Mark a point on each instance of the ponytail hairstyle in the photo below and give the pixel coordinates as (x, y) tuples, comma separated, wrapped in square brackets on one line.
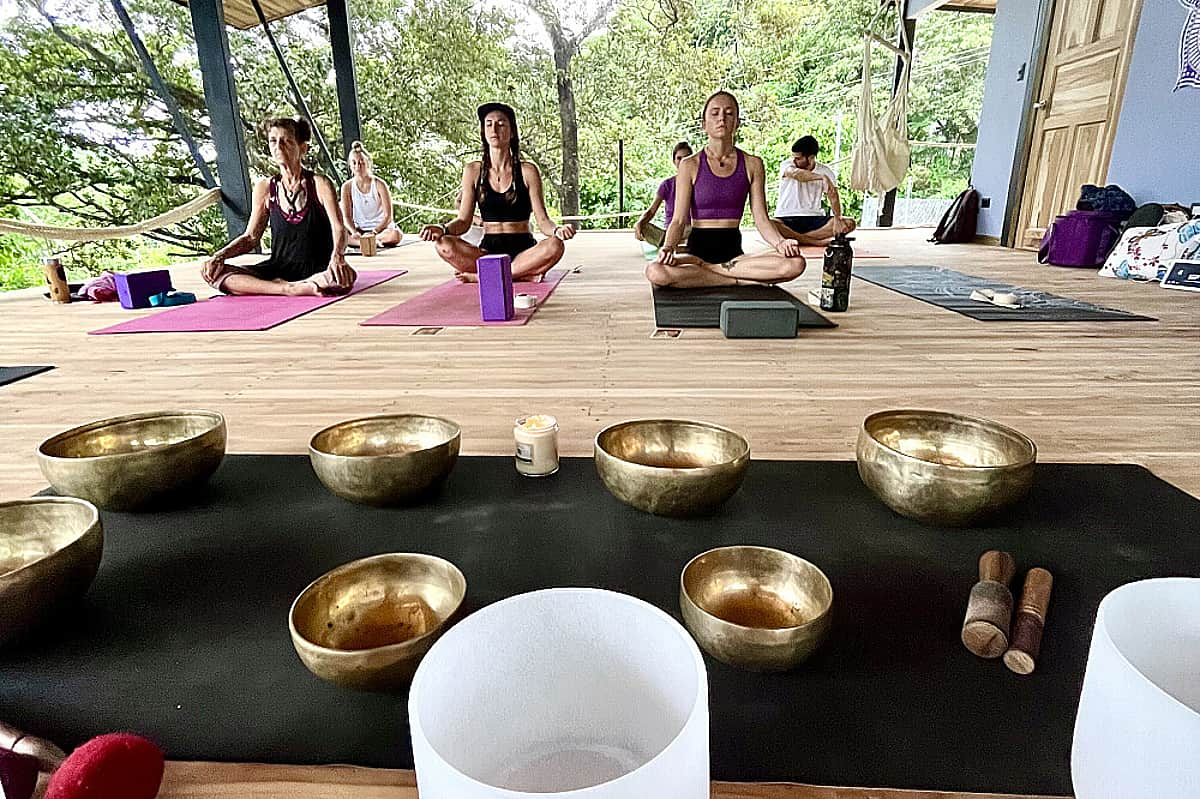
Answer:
[(514, 147)]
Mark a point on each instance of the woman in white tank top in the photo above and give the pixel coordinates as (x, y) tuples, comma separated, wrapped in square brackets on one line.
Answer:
[(366, 202)]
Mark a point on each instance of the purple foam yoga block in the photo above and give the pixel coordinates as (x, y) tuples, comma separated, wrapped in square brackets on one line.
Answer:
[(495, 288), (135, 289)]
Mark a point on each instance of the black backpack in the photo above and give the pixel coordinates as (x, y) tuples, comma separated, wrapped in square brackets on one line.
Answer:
[(959, 221)]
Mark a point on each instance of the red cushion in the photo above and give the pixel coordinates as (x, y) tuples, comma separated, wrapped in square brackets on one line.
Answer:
[(115, 766)]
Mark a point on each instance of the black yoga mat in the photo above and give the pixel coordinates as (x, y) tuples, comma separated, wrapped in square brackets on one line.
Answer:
[(951, 290), (184, 638), (11, 374), (702, 307)]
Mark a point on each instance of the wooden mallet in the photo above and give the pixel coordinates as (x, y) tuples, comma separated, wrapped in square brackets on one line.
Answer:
[(1021, 656), (989, 610)]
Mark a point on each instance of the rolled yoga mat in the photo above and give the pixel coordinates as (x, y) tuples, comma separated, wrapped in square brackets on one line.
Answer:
[(229, 313), (11, 374), (951, 290), (702, 307), (183, 636), (455, 304)]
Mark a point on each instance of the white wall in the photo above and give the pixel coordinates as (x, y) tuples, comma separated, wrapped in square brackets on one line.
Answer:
[(1154, 155), (1004, 96)]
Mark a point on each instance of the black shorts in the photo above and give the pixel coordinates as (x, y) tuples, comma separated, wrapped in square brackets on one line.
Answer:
[(715, 245), (510, 244), (804, 224)]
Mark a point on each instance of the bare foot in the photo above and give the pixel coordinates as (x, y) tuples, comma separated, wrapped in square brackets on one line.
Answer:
[(302, 288), (466, 277)]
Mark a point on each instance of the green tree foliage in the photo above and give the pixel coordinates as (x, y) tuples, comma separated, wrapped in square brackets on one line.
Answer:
[(84, 140)]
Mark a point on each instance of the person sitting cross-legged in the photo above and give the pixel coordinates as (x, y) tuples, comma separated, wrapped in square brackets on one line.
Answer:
[(307, 235), (366, 201), (645, 229), (713, 186), (803, 181)]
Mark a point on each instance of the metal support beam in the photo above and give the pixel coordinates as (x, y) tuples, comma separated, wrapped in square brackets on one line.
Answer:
[(220, 92), (887, 210), (330, 163), (341, 40), (164, 92)]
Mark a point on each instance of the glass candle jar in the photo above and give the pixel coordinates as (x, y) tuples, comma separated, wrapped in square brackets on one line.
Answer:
[(536, 437)]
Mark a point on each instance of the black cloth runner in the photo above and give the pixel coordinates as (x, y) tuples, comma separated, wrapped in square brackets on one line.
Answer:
[(184, 637), (951, 290), (702, 307), (11, 374)]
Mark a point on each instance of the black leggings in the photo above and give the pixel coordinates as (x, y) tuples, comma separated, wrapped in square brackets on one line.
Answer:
[(715, 245)]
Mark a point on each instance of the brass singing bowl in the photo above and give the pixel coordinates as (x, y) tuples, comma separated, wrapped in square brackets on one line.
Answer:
[(671, 467), (385, 460), (128, 462), (757, 608), (368, 623), (50, 550), (942, 468)]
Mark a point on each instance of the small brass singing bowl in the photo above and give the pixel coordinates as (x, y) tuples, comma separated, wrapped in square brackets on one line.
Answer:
[(944, 469), (385, 460), (756, 608), (50, 549), (671, 467), (368, 623), (131, 461)]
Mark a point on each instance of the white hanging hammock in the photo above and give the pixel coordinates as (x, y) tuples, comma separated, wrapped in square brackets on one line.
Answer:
[(881, 150)]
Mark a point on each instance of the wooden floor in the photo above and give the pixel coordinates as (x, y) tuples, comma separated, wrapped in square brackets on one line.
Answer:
[(1111, 391)]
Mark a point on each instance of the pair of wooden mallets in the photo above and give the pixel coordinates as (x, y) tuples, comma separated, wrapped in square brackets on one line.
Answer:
[(985, 630)]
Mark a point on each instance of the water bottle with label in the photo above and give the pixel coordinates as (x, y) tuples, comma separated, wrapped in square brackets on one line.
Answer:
[(835, 276)]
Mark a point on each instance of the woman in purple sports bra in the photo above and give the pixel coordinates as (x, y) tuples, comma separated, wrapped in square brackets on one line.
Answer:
[(507, 191), (721, 178)]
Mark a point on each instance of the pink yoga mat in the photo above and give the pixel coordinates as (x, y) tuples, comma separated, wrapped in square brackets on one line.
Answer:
[(455, 304), (226, 313)]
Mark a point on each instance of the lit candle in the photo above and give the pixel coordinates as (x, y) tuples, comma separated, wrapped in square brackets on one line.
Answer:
[(536, 437)]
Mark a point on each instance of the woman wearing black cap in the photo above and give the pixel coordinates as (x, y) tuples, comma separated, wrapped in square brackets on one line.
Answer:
[(507, 191)]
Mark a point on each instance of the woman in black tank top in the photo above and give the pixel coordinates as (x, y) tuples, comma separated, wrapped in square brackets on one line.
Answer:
[(507, 192), (307, 236)]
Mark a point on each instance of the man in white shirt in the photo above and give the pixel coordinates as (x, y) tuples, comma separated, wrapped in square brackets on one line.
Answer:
[(803, 181)]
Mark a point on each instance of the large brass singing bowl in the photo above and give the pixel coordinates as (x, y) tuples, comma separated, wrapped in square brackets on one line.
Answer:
[(754, 607), (671, 467), (368, 623), (942, 468), (50, 549), (385, 460), (130, 461)]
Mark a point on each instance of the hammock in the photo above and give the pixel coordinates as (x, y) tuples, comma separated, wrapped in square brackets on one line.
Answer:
[(166, 219), (881, 150)]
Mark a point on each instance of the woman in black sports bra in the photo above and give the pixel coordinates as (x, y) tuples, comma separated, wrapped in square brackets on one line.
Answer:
[(307, 236), (507, 192)]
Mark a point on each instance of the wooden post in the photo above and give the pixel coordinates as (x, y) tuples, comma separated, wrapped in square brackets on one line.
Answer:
[(341, 41), (220, 92)]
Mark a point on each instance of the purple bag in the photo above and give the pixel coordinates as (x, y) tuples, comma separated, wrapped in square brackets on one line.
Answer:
[(1080, 238)]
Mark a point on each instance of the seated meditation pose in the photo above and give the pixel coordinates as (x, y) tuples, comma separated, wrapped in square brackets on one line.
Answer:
[(713, 186), (307, 235), (366, 201), (644, 229), (507, 191), (803, 181)]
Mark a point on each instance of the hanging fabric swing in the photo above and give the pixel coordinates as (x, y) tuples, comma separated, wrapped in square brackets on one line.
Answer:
[(881, 150)]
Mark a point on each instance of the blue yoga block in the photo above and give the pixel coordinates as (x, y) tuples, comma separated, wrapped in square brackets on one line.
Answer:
[(759, 319)]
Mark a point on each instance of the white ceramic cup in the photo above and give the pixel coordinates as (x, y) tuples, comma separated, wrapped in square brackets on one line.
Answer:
[(1137, 733), (566, 692)]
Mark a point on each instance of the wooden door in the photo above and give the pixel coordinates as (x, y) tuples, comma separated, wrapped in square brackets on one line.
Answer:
[(1078, 103)]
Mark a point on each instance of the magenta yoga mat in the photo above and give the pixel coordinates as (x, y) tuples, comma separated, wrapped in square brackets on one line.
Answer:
[(454, 304), (226, 313)]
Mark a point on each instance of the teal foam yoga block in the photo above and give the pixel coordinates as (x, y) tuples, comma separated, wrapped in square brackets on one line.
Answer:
[(759, 319)]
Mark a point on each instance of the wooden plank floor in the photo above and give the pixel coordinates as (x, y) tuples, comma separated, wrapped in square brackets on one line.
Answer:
[(1110, 391)]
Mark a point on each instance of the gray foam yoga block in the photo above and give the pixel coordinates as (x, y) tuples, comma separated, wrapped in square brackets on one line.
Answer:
[(759, 319)]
